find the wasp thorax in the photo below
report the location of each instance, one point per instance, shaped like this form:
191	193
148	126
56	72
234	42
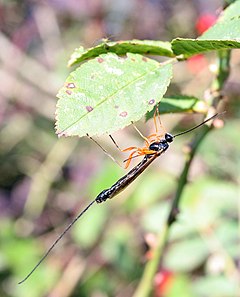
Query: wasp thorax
154	146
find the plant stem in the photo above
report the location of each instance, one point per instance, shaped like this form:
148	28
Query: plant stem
184	175
146	284
223	71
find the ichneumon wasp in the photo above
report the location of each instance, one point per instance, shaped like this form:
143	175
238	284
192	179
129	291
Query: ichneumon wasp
155	145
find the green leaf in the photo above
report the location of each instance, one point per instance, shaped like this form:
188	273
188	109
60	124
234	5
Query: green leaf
109	92
229	31
190	47
180	286
11	247
218	285
229	166
154	187
149	47
179	103
225	34
231	12
88	230
154	218
186	255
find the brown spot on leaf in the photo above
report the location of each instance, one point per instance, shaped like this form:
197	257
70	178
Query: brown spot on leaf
100	60
152	101
71	86
89	108
68	92
62	134
123	114
144	59
116	106
133	59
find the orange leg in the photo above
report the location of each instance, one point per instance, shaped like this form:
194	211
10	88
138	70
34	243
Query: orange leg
130	148
130	159
158	125
154	138
139	152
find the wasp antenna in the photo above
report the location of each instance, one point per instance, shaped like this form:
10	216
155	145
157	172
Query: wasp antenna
199	125
55	242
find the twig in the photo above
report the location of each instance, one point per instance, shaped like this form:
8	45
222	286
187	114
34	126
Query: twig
215	95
